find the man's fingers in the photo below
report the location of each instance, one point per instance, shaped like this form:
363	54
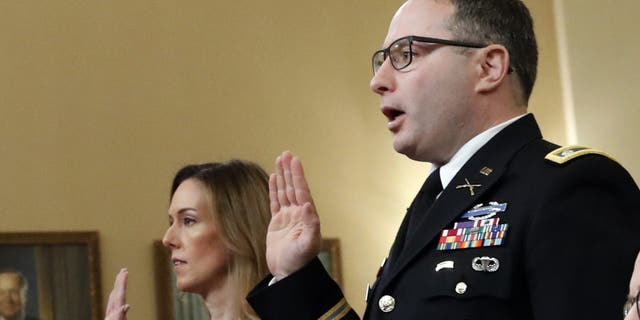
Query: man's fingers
300	182
311	233
310	218
273	195
280	183
288	181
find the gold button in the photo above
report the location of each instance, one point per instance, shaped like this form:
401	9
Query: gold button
461	288
387	303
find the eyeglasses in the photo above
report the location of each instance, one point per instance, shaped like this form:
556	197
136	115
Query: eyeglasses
400	52
631	301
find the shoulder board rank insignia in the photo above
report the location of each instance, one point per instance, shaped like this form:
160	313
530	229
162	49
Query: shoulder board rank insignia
566	154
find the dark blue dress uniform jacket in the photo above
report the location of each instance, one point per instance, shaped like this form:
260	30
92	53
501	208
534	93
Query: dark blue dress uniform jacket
573	233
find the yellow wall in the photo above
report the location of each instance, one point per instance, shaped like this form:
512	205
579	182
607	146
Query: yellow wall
101	101
603	75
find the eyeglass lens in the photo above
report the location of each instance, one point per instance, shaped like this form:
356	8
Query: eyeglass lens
399	53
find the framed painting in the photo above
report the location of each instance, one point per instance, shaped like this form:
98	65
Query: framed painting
175	305
50	276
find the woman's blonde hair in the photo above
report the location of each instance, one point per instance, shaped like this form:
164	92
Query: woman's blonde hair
240	191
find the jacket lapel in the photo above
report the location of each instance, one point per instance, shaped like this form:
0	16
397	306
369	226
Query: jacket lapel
454	200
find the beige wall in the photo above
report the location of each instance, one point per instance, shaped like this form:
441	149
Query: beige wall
546	101
602	75
101	101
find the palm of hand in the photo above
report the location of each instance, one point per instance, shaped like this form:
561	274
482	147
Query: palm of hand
293	239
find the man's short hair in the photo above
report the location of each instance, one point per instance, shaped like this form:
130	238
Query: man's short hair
505	22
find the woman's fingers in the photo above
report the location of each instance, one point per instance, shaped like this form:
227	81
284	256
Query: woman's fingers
117	305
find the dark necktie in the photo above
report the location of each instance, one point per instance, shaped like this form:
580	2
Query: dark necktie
415	215
423	202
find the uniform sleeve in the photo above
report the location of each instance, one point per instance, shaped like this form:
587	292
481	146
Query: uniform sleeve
584	237
309	293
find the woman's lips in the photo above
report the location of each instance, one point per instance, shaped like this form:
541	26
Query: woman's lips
177	262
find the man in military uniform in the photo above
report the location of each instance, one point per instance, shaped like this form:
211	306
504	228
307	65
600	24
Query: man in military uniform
506	226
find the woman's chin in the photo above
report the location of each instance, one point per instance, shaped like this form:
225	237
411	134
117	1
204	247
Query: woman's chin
184	286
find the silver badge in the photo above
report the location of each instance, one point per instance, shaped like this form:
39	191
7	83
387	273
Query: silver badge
485	264
444	265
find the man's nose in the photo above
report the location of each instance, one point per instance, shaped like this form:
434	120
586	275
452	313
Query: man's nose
383	80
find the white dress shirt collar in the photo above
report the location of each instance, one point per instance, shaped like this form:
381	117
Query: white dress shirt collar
449	170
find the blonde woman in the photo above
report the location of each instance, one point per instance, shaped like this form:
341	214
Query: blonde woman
218	219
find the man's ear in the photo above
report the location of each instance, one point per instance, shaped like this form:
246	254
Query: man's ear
494	62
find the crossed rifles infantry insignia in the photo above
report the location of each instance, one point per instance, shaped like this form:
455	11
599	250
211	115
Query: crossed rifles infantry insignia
470	186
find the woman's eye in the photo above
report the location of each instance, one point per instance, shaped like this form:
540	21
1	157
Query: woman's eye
188	221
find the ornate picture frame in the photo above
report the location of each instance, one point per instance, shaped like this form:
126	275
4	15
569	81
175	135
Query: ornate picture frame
60	272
